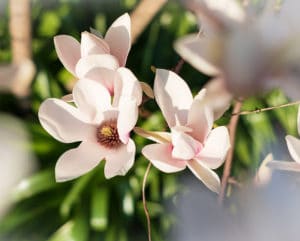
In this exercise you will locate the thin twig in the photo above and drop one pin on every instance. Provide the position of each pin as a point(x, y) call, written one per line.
point(145, 202)
point(178, 66)
point(266, 109)
point(227, 167)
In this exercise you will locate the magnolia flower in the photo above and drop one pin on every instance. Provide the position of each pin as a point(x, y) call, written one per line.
point(293, 145)
point(191, 142)
point(102, 129)
point(110, 51)
point(264, 173)
point(241, 46)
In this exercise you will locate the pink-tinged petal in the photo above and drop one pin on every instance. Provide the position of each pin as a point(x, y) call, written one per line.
point(217, 97)
point(91, 45)
point(284, 166)
point(203, 53)
point(173, 96)
point(293, 145)
point(157, 136)
point(118, 36)
point(128, 115)
point(184, 146)
point(160, 156)
point(86, 64)
point(91, 97)
point(78, 161)
point(106, 77)
point(131, 87)
point(68, 51)
point(64, 122)
point(200, 119)
point(120, 160)
point(215, 148)
point(205, 174)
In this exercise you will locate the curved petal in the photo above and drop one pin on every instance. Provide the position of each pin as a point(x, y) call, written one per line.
point(200, 119)
point(120, 160)
point(128, 115)
point(91, 97)
point(173, 97)
point(78, 161)
point(118, 36)
point(160, 156)
point(68, 51)
point(284, 166)
point(215, 148)
point(206, 175)
point(91, 45)
point(184, 146)
point(64, 122)
point(157, 136)
point(264, 173)
point(131, 87)
point(293, 145)
point(106, 77)
point(86, 64)
point(204, 54)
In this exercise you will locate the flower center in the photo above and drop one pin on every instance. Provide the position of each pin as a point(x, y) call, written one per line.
point(107, 134)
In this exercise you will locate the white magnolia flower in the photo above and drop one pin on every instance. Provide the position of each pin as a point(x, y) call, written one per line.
point(102, 129)
point(192, 143)
point(251, 49)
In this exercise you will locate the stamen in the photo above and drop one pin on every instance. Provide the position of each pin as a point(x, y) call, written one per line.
point(107, 135)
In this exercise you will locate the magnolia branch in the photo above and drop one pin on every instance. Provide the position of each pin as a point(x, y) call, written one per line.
point(145, 202)
point(227, 167)
point(265, 109)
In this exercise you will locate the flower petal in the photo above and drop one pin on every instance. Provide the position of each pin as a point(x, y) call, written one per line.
point(203, 54)
point(78, 161)
point(86, 64)
point(131, 87)
point(293, 145)
point(160, 156)
point(173, 97)
point(91, 97)
point(215, 148)
point(118, 36)
point(200, 119)
point(128, 115)
point(205, 174)
point(264, 173)
point(184, 146)
point(157, 136)
point(284, 166)
point(64, 122)
point(68, 51)
point(120, 161)
point(106, 77)
point(91, 45)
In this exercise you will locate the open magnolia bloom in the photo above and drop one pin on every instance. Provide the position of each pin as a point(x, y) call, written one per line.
point(293, 145)
point(251, 48)
point(108, 52)
point(102, 129)
point(192, 142)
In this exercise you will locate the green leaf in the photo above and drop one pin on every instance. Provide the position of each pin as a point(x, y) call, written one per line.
point(99, 208)
point(39, 182)
point(49, 24)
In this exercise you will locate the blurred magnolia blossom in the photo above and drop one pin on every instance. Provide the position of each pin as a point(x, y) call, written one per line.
point(293, 145)
point(253, 48)
point(102, 128)
point(17, 159)
point(192, 142)
point(96, 57)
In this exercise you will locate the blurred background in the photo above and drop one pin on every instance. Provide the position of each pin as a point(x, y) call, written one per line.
point(34, 207)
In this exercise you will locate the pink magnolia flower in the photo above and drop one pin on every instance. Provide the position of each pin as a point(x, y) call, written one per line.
point(241, 46)
point(192, 143)
point(102, 129)
point(108, 52)
point(293, 145)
